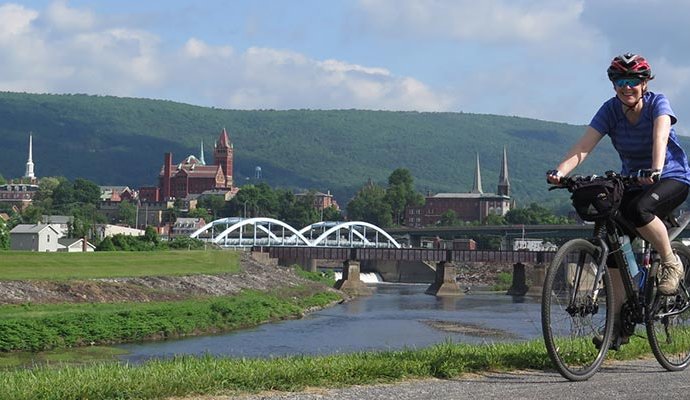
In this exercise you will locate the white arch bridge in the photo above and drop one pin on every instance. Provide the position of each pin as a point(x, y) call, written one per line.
point(247, 232)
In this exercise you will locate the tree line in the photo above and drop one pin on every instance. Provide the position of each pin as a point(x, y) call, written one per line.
point(383, 206)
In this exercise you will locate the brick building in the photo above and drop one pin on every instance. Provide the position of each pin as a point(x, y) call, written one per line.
point(193, 175)
point(473, 206)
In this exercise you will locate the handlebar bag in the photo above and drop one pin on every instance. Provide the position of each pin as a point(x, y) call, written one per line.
point(597, 199)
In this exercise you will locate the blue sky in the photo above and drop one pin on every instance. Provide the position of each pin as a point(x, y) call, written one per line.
point(543, 59)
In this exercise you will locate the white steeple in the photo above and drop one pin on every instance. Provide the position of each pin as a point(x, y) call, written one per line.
point(29, 163)
point(477, 185)
point(201, 158)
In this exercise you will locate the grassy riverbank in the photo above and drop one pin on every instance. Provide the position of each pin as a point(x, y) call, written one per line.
point(54, 301)
point(19, 265)
point(44, 327)
point(189, 376)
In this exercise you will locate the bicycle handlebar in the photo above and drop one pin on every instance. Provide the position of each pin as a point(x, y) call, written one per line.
point(567, 182)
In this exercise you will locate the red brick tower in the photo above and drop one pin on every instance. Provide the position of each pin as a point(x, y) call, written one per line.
point(165, 181)
point(222, 155)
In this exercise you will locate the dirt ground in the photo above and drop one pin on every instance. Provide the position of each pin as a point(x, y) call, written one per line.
point(161, 288)
point(144, 289)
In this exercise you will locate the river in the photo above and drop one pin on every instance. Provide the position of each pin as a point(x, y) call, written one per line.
point(396, 316)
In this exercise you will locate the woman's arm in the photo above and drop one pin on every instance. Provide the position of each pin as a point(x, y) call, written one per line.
point(660, 133)
point(577, 154)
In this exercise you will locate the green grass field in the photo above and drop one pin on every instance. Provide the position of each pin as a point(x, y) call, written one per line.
point(15, 265)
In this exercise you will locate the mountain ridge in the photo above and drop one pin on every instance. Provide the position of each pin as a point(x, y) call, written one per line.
point(121, 141)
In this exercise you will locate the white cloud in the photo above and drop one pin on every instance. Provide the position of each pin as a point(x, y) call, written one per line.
point(66, 50)
point(494, 21)
point(63, 18)
point(195, 48)
point(15, 20)
point(272, 78)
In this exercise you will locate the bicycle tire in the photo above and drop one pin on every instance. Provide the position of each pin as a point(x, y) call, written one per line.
point(669, 337)
point(569, 334)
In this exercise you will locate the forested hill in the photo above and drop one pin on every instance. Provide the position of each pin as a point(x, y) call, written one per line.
point(121, 141)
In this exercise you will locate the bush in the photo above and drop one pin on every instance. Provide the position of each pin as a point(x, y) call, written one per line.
point(184, 242)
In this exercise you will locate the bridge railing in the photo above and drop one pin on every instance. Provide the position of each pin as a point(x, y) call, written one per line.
point(407, 254)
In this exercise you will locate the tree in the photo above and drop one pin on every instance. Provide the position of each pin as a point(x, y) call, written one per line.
point(2, 180)
point(370, 205)
point(86, 192)
point(63, 197)
point(32, 214)
point(46, 187)
point(332, 214)
point(199, 212)
point(534, 214)
point(494, 219)
point(127, 213)
point(215, 204)
point(106, 245)
point(448, 218)
point(151, 235)
point(401, 194)
point(4, 235)
point(85, 216)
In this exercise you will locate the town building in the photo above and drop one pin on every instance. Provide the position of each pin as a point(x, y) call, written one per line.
point(18, 194)
point(186, 226)
point(117, 193)
point(75, 245)
point(61, 223)
point(39, 237)
point(473, 206)
point(193, 175)
point(321, 200)
point(108, 230)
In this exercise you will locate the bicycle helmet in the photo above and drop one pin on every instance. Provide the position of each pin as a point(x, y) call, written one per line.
point(629, 65)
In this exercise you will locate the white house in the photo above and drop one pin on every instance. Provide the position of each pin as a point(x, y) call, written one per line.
point(40, 237)
point(74, 245)
point(104, 230)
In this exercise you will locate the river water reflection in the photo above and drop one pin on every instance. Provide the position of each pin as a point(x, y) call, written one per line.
point(394, 317)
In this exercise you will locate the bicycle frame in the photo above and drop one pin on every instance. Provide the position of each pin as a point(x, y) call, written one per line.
point(606, 237)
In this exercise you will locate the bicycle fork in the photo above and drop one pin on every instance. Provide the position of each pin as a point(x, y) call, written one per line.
point(592, 301)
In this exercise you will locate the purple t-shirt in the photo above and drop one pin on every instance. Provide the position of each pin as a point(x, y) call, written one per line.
point(634, 141)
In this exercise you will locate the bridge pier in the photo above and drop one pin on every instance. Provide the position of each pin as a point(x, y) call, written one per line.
point(350, 282)
point(445, 283)
point(307, 264)
point(519, 286)
point(538, 277)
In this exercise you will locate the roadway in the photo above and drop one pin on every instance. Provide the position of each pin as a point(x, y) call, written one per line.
point(638, 379)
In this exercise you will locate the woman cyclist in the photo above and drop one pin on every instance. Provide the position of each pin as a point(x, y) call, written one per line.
point(640, 126)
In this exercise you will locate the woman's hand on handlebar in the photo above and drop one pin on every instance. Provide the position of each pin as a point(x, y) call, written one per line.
point(648, 176)
point(553, 176)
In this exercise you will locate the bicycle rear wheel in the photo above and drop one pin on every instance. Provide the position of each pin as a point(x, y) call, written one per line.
point(668, 318)
point(571, 317)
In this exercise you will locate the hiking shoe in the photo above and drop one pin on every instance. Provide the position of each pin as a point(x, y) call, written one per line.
point(669, 277)
point(615, 344)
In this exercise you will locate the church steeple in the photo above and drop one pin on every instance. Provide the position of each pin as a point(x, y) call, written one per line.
point(201, 156)
point(223, 156)
point(503, 183)
point(477, 185)
point(30, 163)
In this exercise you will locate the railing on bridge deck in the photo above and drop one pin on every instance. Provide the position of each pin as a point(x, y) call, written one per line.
point(407, 254)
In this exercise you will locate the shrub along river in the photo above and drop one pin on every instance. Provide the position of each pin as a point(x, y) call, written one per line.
point(396, 316)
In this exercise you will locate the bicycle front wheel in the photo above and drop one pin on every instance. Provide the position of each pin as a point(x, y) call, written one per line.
point(577, 312)
point(668, 317)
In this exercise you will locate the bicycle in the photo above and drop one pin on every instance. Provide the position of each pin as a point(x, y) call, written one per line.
point(578, 303)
